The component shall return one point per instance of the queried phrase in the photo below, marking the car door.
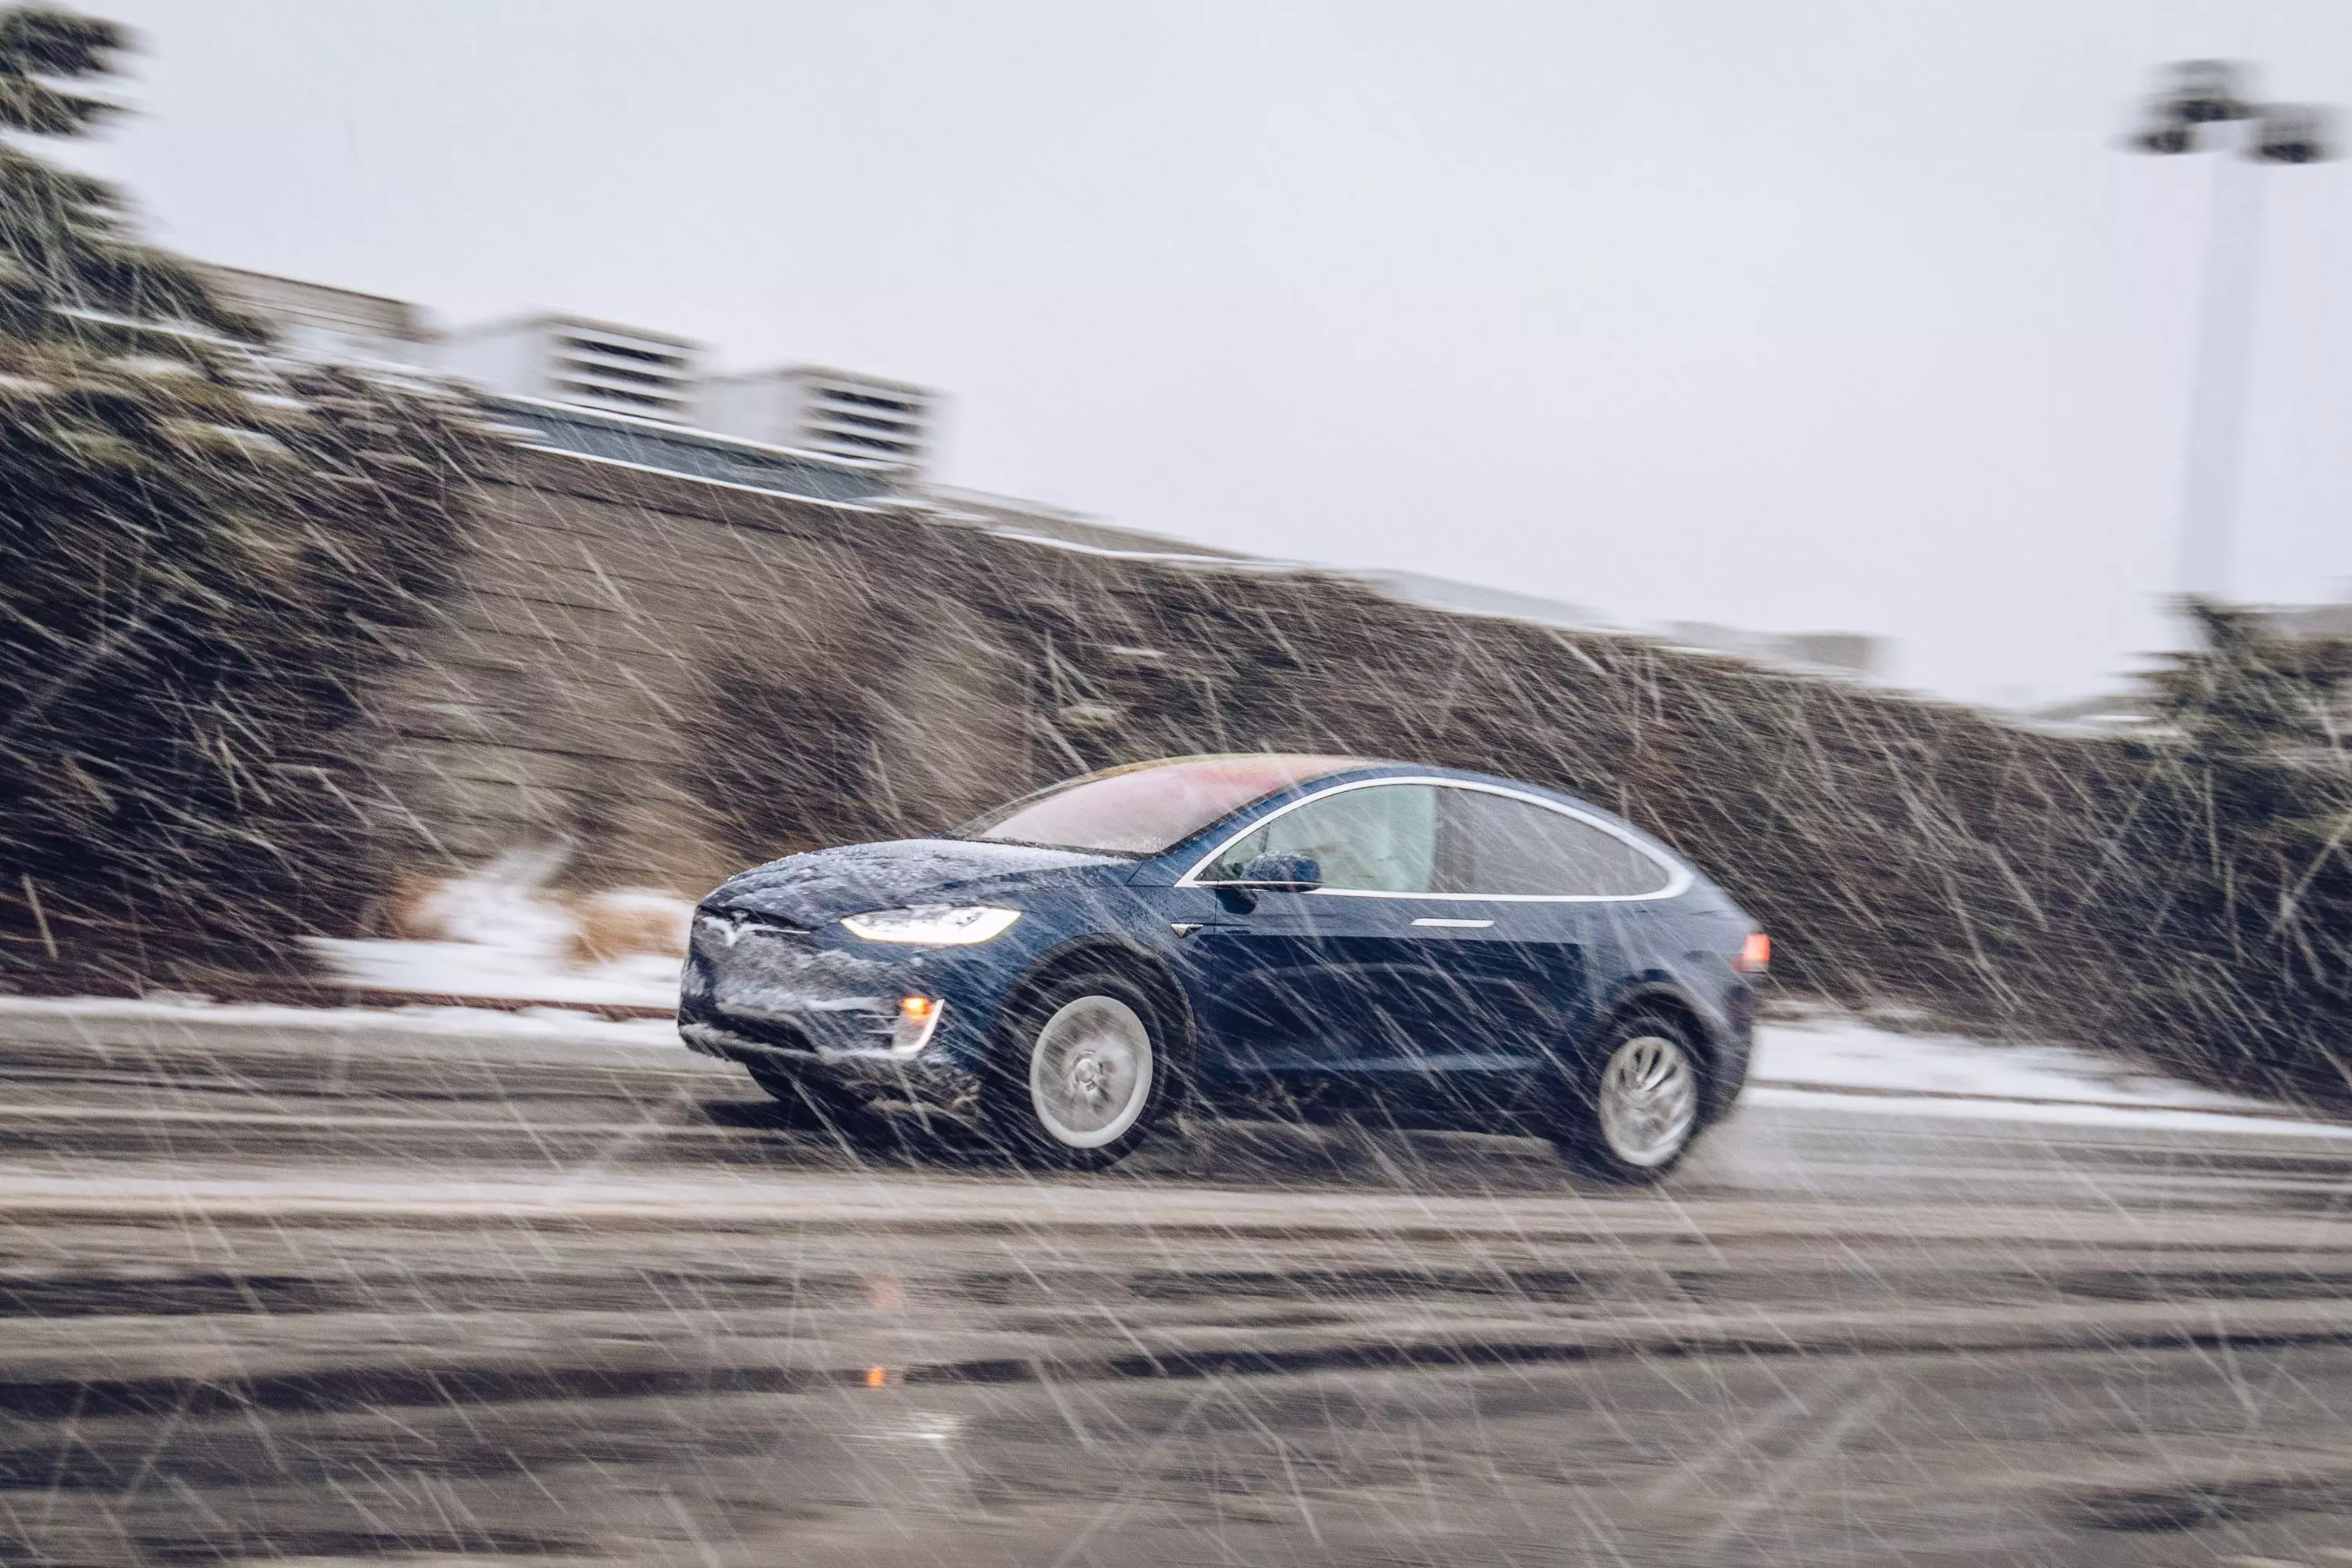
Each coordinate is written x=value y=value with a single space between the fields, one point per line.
x=1538 y=892
x=1323 y=980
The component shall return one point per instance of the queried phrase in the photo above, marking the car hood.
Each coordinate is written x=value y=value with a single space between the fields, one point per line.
x=826 y=884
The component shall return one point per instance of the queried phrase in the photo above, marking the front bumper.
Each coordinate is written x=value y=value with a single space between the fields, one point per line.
x=810 y=1006
x=859 y=1075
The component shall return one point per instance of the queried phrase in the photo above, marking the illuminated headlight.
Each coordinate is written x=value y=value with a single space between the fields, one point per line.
x=951 y=925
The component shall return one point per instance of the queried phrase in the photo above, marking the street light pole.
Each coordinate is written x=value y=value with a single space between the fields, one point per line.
x=2187 y=116
x=2217 y=390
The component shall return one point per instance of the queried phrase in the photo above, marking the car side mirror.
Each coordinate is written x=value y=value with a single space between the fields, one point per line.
x=1277 y=873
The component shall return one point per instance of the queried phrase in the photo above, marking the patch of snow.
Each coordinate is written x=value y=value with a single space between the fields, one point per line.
x=1833 y=1062
x=2178 y=1120
x=497 y=933
x=1847 y=1053
x=481 y=969
x=173 y=1007
x=502 y=905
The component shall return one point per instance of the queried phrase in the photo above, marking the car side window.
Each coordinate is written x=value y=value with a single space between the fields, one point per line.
x=1380 y=840
x=1496 y=845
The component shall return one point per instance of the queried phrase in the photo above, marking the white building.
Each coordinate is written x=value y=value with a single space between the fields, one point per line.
x=1843 y=653
x=835 y=413
x=589 y=364
x=334 y=326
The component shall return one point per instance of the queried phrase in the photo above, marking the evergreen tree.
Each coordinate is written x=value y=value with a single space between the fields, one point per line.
x=2244 y=849
x=2247 y=691
x=203 y=565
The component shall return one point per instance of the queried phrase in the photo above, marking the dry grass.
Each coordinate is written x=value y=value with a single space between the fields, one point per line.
x=610 y=926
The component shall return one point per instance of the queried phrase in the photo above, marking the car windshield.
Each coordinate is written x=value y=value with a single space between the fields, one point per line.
x=1147 y=808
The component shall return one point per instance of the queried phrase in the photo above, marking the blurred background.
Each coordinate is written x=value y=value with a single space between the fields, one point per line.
x=1824 y=316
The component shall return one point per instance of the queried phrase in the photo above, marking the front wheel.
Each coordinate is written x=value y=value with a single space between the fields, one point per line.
x=1634 y=1109
x=1084 y=1075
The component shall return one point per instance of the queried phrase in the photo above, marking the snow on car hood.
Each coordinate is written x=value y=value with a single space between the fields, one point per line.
x=826 y=884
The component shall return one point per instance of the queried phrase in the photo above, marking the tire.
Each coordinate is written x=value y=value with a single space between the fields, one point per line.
x=1085 y=1071
x=1633 y=1106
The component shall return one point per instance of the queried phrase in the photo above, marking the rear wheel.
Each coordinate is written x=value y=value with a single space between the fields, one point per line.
x=1632 y=1110
x=1084 y=1074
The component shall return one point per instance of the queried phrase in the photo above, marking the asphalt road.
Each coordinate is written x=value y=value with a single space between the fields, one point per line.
x=335 y=1293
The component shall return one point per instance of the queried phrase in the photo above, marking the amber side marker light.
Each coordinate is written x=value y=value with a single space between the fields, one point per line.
x=1756 y=956
x=917 y=1017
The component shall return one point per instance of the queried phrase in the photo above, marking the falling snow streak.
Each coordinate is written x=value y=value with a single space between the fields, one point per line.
x=293 y=653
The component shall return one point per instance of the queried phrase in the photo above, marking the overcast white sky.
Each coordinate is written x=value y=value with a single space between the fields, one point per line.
x=1795 y=315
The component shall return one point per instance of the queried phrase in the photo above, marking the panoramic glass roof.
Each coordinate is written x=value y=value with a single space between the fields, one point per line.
x=1144 y=808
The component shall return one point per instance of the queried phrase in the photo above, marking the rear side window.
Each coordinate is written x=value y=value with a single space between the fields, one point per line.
x=1380 y=839
x=1495 y=846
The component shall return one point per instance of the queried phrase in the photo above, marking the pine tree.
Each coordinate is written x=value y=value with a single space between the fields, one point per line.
x=2244 y=844
x=71 y=277
x=203 y=566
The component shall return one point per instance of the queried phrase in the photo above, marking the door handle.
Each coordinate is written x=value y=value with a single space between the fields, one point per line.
x=1459 y=925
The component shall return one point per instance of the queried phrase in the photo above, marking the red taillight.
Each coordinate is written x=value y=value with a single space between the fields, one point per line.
x=1755 y=955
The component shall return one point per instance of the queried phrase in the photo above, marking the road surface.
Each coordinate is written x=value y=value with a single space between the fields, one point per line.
x=343 y=1292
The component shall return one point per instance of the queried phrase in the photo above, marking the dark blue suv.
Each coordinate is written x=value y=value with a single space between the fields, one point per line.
x=1450 y=949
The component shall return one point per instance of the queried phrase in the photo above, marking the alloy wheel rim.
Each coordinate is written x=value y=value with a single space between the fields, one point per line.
x=1090 y=1072
x=1649 y=1100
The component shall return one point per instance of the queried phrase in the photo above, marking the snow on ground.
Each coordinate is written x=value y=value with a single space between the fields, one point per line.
x=486 y=969
x=498 y=932
x=1838 y=1051
x=1831 y=1061
x=173 y=1007
x=2272 y=1120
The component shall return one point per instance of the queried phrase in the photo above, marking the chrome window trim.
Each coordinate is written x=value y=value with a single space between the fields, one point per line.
x=1679 y=876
